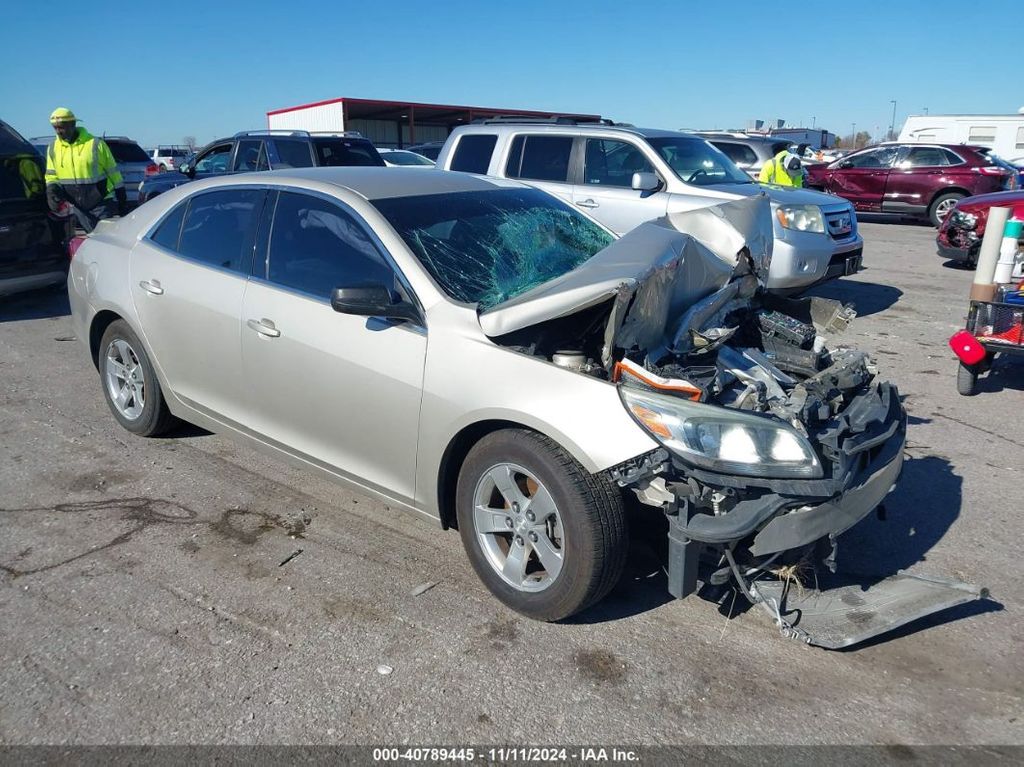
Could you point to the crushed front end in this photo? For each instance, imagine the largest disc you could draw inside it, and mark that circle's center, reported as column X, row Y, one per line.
column 775, row 437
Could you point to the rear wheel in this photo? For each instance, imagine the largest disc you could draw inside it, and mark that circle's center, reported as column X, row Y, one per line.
column 967, row 380
column 942, row 206
column 545, row 536
column 130, row 385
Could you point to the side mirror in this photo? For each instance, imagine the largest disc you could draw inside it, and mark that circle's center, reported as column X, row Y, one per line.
column 373, row 300
column 844, row 164
column 646, row 182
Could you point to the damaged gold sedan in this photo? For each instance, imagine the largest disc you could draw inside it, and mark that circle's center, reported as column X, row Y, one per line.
column 482, row 353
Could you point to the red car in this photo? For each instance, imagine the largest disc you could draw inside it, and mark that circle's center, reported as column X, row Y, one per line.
column 960, row 234
column 923, row 180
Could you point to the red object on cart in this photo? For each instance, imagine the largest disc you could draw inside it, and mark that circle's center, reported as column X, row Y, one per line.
column 967, row 348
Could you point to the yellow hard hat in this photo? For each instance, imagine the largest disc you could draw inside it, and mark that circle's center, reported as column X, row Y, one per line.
column 62, row 115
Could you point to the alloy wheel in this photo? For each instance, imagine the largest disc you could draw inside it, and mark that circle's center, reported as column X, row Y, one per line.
column 519, row 528
column 125, row 381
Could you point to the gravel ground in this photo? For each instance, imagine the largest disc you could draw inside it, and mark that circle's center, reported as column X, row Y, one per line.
column 187, row 590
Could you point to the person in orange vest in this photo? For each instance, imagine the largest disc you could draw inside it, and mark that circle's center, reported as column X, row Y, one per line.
column 82, row 173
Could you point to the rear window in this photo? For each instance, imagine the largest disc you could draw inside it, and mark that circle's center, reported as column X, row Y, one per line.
column 473, row 153
column 738, row 153
column 336, row 152
column 127, row 151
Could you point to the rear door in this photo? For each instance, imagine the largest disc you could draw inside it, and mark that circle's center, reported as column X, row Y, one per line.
column 339, row 389
column 605, row 189
column 918, row 173
column 187, row 280
column 861, row 178
column 543, row 160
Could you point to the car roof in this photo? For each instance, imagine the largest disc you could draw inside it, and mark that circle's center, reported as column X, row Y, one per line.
column 604, row 130
column 375, row 183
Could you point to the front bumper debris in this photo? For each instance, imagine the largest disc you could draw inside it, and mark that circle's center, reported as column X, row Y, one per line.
column 846, row 615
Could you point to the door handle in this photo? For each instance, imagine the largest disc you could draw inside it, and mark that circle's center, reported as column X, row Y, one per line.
column 588, row 203
column 264, row 327
column 152, row 286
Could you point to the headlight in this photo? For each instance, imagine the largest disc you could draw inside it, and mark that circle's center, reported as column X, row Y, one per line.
column 723, row 440
column 803, row 218
column 963, row 220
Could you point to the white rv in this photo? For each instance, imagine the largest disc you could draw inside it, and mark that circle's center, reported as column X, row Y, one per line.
column 1004, row 134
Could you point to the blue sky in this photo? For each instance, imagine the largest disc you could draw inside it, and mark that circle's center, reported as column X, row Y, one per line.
column 161, row 71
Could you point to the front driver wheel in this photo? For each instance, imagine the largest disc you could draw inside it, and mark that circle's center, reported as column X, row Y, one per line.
column 545, row 536
column 130, row 386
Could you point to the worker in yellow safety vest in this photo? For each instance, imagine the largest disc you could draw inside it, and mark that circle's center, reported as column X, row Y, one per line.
column 784, row 169
column 82, row 173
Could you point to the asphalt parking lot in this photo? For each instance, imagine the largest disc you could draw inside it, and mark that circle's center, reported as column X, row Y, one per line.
column 185, row 590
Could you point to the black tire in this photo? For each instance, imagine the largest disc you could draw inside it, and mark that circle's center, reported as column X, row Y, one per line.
column 939, row 202
column 155, row 418
column 967, row 380
column 593, row 519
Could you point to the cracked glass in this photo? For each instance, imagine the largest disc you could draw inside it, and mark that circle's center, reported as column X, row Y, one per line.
column 487, row 247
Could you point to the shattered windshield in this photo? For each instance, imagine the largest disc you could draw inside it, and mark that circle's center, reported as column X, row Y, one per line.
column 696, row 162
column 488, row 247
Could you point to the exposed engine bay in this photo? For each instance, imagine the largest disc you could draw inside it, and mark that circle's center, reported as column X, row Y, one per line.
column 775, row 436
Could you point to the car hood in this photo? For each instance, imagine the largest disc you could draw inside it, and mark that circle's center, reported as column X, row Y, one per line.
column 782, row 195
column 971, row 204
column 655, row 273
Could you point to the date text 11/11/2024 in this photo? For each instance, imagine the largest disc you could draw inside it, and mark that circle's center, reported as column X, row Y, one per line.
column 502, row 754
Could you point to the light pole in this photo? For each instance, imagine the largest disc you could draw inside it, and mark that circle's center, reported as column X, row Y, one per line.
column 925, row 110
column 892, row 123
column 814, row 122
column 853, row 135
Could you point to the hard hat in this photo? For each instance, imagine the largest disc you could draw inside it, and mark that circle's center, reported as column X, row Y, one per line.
column 62, row 115
column 791, row 162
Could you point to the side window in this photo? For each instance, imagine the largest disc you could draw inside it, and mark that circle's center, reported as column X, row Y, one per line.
column 541, row 158
column 250, row 156
column 219, row 228
column 952, row 158
column 169, row 231
column 923, row 157
column 215, row 160
column 292, row 154
column 741, row 154
column 613, row 163
column 878, row 158
column 316, row 246
column 473, row 153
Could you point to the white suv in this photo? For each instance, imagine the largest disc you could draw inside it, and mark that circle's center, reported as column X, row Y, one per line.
column 170, row 157
column 623, row 176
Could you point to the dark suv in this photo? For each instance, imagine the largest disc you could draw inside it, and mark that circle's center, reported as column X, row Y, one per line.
column 30, row 241
column 266, row 150
column 924, row 180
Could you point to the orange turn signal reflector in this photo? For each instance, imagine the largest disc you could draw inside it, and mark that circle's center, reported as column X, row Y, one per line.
column 651, row 420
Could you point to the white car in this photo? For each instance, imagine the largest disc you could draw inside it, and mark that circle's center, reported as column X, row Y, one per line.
column 395, row 158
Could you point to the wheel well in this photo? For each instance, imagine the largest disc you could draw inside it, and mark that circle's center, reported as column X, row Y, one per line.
column 452, row 460
column 100, row 323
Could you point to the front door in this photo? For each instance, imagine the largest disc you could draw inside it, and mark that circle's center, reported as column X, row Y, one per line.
column 861, row 178
column 187, row 282
column 341, row 389
column 606, row 189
